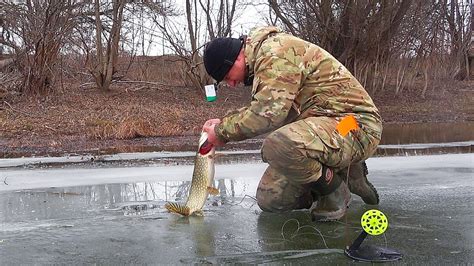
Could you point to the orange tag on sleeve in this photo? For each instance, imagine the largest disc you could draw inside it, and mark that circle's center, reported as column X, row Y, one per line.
column 347, row 124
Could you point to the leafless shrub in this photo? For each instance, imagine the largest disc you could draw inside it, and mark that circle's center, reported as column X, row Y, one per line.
column 9, row 84
column 107, row 37
column 35, row 31
column 397, row 42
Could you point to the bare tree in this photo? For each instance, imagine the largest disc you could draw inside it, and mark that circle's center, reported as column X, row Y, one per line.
column 107, row 42
column 382, row 42
column 456, row 13
column 471, row 46
column 35, row 31
column 359, row 33
column 205, row 20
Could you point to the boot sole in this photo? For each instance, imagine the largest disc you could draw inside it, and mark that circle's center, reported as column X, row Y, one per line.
column 328, row 218
column 331, row 216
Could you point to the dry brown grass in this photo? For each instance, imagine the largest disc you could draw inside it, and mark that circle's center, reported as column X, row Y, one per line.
column 128, row 128
column 102, row 132
column 134, row 127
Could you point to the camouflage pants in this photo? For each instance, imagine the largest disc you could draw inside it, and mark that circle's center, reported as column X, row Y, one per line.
column 295, row 154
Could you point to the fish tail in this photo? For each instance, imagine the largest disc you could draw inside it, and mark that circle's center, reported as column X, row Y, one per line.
column 178, row 208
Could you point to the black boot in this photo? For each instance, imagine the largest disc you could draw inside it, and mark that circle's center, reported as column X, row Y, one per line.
column 334, row 197
column 359, row 184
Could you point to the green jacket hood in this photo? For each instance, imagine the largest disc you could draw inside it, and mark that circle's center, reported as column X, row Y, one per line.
column 253, row 42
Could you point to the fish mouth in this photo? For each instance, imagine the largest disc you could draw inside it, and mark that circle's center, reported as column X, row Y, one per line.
column 204, row 145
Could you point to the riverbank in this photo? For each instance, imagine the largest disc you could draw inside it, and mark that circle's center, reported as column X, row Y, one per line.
column 79, row 120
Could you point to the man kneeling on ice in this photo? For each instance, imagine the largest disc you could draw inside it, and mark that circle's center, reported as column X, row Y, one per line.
column 300, row 93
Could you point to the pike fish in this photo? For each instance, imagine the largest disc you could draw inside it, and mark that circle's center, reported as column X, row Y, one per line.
column 201, row 184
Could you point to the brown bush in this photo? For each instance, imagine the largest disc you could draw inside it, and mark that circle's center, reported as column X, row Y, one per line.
column 133, row 127
column 106, row 131
column 128, row 128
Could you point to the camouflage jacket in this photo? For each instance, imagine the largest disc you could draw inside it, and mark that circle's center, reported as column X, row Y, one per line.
column 295, row 79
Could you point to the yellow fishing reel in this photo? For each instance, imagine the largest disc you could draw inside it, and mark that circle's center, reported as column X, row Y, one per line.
column 374, row 223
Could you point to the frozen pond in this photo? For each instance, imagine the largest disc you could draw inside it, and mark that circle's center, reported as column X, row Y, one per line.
column 113, row 214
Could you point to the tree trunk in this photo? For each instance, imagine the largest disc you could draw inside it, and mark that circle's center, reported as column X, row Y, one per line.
column 112, row 48
column 107, row 60
column 471, row 46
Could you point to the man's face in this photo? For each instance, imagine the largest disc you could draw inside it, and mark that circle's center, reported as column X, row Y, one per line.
column 236, row 74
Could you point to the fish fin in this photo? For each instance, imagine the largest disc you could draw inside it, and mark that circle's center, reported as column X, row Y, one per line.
column 177, row 208
column 213, row 191
column 218, row 154
column 198, row 213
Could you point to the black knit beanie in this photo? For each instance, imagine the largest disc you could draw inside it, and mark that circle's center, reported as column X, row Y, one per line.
column 220, row 55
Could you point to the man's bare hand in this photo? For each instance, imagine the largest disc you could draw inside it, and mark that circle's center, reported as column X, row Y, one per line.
column 209, row 128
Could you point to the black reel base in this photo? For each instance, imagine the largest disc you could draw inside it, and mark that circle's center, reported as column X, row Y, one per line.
column 373, row 254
